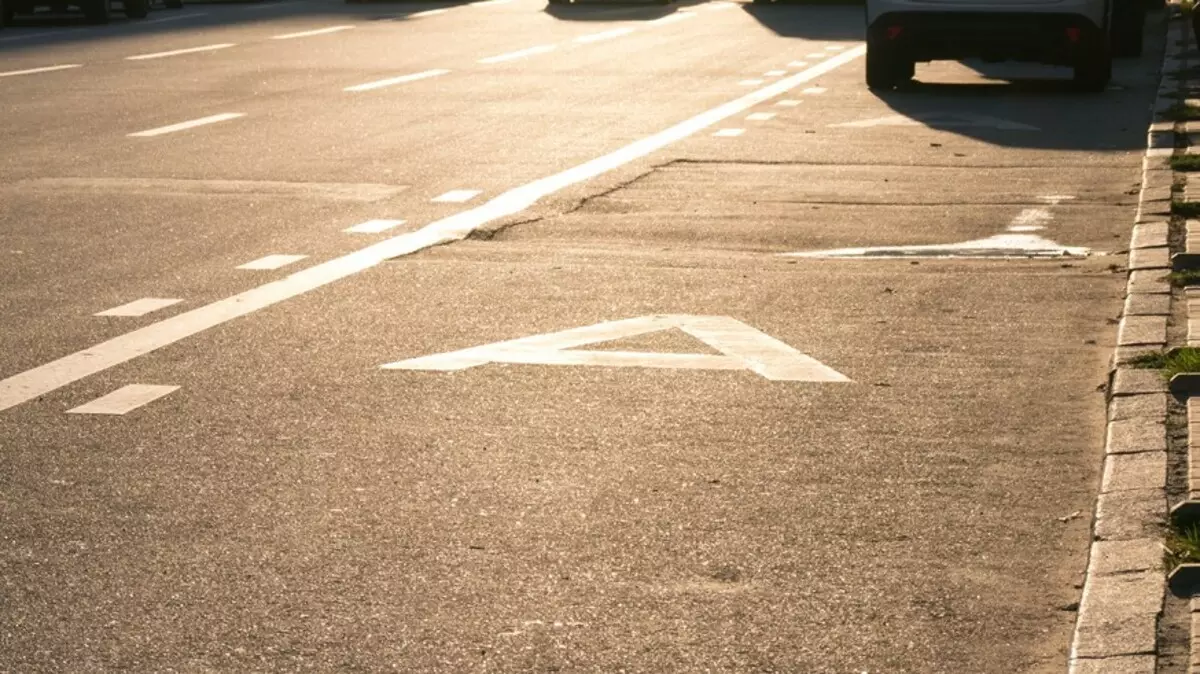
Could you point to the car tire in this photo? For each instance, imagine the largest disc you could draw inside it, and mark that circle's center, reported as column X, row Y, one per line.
column 97, row 12
column 137, row 9
column 1094, row 71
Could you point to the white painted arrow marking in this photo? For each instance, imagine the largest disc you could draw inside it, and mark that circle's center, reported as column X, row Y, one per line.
column 941, row 120
column 744, row 348
column 998, row 246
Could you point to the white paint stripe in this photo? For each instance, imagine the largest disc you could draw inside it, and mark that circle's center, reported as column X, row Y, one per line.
column 457, row 196
column 750, row 83
column 671, row 18
column 836, row 47
column 310, row 33
column 373, row 226
column 729, row 133
column 512, row 56
column 177, row 17
column 271, row 262
column 379, row 84
column 814, row 90
column 47, row 69
column 1031, row 220
column 788, row 103
column 798, row 64
column 775, row 73
column 815, row 55
column 139, row 307
column 125, row 399
column 56, row 374
column 718, row 6
column 182, row 126
column 760, row 116
column 429, row 12
column 606, row 35
column 177, row 52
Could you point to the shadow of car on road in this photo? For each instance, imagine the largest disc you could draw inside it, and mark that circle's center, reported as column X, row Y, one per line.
column 607, row 10
column 812, row 19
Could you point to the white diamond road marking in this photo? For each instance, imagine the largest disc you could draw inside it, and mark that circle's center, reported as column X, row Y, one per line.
column 183, row 126
column 520, row 54
column 457, row 196
column 47, row 69
column 750, row 83
column 271, row 262
column 742, row 348
column 310, row 33
column 379, row 84
column 788, row 103
column 179, row 52
column 729, row 133
column 814, row 90
column 606, row 35
column 373, row 226
column 139, row 307
column 51, row 376
column 125, row 399
column 760, row 116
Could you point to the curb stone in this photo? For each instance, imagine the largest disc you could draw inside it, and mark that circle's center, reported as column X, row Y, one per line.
column 1116, row 630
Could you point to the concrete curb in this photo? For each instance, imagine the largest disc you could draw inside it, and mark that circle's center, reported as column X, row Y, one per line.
column 1116, row 631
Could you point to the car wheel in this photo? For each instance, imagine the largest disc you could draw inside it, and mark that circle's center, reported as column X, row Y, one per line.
column 1094, row 71
column 136, row 9
column 97, row 11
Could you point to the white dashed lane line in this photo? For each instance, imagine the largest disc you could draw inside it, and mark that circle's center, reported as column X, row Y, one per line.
column 788, row 103
column 760, row 116
column 750, row 83
column 457, row 196
column 310, row 33
column 47, row 69
column 816, row 55
column 775, row 73
column 379, row 84
column 520, row 54
column 814, row 90
column 606, row 35
column 373, row 226
column 271, row 262
column 798, row 64
column 729, row 133
column 139, row 307
column 179, row 52
column 125, row 399
column 183, row 126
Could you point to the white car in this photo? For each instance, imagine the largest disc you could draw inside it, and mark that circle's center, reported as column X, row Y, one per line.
column 1075, row 33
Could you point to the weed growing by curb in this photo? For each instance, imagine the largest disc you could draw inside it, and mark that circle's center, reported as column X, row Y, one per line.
column 1185, row 209
column 1187, row 277
column 1182, row 112
column 1185, row 162
column 1179, row 361
column 1182, row 546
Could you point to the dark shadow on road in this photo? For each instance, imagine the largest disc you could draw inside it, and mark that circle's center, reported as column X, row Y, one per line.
column 813, row 20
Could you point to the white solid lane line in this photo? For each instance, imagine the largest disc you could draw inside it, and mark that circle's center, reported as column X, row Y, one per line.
column 47, row 69
column 30, row 384
column 512, row 56
column 606, row 35
column 177, row 52
column 373, row 226
column 125, row 399
column 457, row 196
column 729, row 133
column 379, row 84
column 310, row 33
column 271, row 262
column 183, row 126
column 139, row 307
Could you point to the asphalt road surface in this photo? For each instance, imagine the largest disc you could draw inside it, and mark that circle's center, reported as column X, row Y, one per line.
column 219, row 225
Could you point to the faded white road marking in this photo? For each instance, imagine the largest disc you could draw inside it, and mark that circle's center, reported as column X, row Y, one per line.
column 760, row 116
column 30, row 384
column 310, row 33
column 814, row 90
column 271, row 262
column 457, row 196
column 729, row 133
column 1030, row 220
column 47, row 69
column 182, row 126
column 750, row 83
column 998, row 246
column 379, row 84
column 125, row 399
column 1055, row 199
column 177, row 17
column 606, row 35
column 787, row 103
column 373, row 226
column 671, row 18
column 520, row 54
column 816, row 55
column 836, row 47
column 743, row 348
column 798, row 64
column 177, row 52
column 941, row 120
column 429, row 12
column 139, row 307
column 775, row 73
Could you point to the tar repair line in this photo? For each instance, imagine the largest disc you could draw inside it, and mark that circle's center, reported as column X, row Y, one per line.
column 56, row 374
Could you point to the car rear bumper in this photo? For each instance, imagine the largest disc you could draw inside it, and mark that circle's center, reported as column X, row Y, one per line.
column 1053, row 38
